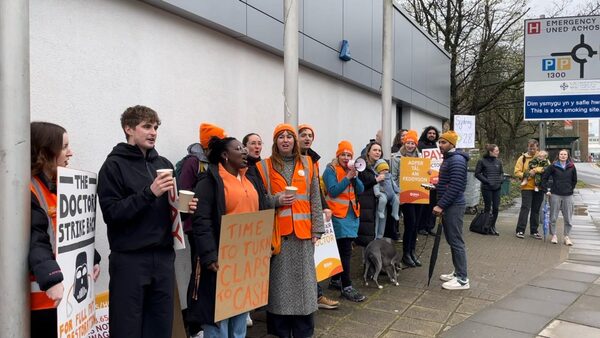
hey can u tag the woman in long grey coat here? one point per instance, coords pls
(299, 223)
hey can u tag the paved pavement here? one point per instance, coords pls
(519, 288)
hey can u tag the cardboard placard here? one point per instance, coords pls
(244, 263)
(100, 329)
(327, 255)
(436, 162)
(413, 172)
(176, 224)
(75, 235)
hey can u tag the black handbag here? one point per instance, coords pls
(481, 223)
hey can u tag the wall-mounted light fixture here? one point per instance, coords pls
(345, 51)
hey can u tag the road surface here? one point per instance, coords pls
(588, 173)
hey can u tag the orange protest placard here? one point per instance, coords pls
(244, 262)
(413, 172)
(436, 162)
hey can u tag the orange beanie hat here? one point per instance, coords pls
(280, 128)
(208, 131)
(410, 135)
(306, 126)
(344, 146)
(450, 136)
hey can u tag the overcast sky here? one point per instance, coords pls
(547, 7)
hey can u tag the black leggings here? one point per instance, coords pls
(345, 249)
(411, 214)
(491, 200)
(43, 323)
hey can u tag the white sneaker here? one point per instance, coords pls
(568, 241)
(554, 239)
(249, 321)
(448, 277)
(454, 284)
(200, 334)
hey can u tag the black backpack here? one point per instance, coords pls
(194, 149)
(481, 223)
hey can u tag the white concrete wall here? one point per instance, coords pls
(418, 120)
(92, 59)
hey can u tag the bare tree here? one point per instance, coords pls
(471, 31)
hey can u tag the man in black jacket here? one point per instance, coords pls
(428, 140)
(135, 206)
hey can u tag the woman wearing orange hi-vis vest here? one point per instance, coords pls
(49, 149)
(299, 223)
(343, 187)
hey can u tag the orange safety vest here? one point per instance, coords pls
(297, 217)
(39, 300)
(339, 204)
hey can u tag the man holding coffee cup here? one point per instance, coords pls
(132, 189)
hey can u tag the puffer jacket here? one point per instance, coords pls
(453, 179)
(563, 179)
(368, 208)
(490, 172)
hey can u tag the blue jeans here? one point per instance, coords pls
(234, 327)
(453, 224)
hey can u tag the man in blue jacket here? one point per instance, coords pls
(451, 203)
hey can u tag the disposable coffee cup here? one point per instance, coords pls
(160, 171)
(185, 197)
(290, 190)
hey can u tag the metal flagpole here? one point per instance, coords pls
(386, 80)
(14, 168)
(290, 62)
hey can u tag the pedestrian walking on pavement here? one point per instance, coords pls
(564, 179)
(531, 200)
(490, 172)
(451, 204)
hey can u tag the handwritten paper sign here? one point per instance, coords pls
(327, 256)
(413, 172)
(436, 162)
(464, 126)
(244, 263)
(75, 233)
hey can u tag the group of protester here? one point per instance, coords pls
(229, 177)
